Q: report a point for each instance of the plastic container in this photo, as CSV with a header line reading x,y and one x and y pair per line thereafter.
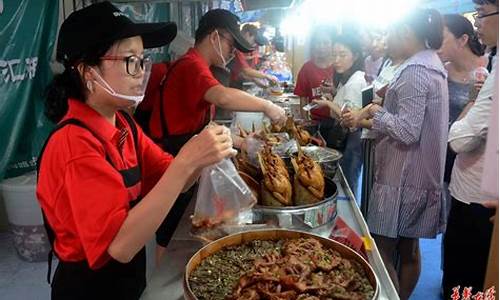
x,y
25,217
248,120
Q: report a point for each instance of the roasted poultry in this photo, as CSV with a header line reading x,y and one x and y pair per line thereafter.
x,y
264,135
301,135
309,182
276,188
243,164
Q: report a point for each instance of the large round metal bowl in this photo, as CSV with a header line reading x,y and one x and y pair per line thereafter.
x,y
327,158
301,217
275,234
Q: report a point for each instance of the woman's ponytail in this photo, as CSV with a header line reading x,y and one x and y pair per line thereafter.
x,y
459,25
434,35
63,86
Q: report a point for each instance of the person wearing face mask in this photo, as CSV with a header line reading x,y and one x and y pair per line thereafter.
x,y
104,187
242,70
190,93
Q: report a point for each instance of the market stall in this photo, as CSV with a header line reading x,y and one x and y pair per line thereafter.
x,y
166,281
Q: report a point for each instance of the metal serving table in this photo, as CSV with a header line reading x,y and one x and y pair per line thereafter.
x,y
166,280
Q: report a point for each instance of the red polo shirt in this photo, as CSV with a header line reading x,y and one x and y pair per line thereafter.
x,y
185,108
240,63
83,196
152,94
309,77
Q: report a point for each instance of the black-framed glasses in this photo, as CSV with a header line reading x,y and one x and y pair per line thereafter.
x,y
133,63
230,41
477,16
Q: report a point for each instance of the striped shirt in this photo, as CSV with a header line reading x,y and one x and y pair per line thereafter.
x,y
406,199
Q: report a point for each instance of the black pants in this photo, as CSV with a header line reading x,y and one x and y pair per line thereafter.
x,y
76,281
466,246
368,173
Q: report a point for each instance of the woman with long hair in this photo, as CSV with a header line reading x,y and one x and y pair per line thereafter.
x,y
349,80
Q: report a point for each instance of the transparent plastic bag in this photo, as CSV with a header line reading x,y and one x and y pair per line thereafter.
x,y
286,149
222,196
253,146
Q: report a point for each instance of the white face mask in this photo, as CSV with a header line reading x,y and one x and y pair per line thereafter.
x,y
219,52
135,99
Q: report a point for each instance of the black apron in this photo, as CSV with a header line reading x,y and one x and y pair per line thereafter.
x,y
172,143
115,280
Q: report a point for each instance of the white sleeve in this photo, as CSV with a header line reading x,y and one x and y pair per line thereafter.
x,y
470,132
353,90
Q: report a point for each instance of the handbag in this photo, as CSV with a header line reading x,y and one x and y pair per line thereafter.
x,y
334,134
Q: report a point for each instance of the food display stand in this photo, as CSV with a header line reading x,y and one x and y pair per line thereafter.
x,y
167,278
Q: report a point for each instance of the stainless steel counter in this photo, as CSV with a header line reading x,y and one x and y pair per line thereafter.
x,y
166,280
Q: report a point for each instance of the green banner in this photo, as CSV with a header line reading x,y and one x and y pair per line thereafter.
x,y
27,36
148,13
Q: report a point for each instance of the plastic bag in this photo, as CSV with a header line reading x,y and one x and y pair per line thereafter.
x,y
286,149
222,196
344,234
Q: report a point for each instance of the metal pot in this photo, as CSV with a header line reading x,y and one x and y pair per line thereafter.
x,y
301,217
327,158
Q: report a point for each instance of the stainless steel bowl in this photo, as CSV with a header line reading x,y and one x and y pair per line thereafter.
x,y
327,158
301,217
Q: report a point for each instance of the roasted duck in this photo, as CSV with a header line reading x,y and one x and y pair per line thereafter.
x,y
266,135
296,131
276,189
243,164
308,182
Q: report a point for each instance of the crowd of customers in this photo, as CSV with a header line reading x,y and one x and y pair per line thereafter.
x,y
420,142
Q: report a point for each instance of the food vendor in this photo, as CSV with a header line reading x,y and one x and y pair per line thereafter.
x,y
103,185
242,69
191,91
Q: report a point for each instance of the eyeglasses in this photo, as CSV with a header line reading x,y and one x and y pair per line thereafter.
x,y
133,62
477,16
230,42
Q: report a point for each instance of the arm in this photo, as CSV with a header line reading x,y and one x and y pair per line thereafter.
x,y
304,101
469,132
249,72
209,147
406,125
334,108
366,123
234,99
144,219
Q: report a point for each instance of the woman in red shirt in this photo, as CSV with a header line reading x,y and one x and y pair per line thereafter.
x,y
103,185
315,71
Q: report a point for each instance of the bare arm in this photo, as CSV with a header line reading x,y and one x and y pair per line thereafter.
x,y
249,72
234,99
366,123
209,147
143,220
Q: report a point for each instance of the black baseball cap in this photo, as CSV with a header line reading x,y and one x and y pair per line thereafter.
x,y
104,23
224,19
260,39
